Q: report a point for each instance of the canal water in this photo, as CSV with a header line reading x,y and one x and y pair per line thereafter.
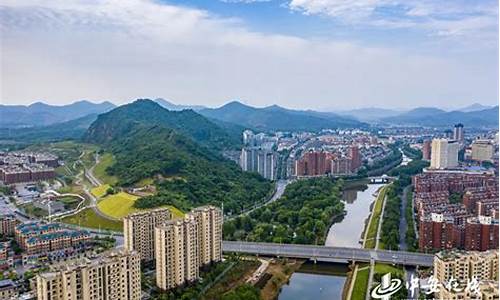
x,y
329,283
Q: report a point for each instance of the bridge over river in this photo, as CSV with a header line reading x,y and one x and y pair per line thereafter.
x,y
324,253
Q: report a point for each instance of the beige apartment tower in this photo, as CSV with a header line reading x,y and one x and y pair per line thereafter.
x,y
465,265
114,275
444,154
209,219
482,150
139,231
176,244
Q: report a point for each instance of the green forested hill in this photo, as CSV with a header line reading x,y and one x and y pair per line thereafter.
x,y
121,120
187,173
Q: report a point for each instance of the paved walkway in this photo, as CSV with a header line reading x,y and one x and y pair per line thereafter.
x,y
403,224
372,262
259,272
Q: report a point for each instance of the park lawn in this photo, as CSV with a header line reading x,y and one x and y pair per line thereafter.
x,y
383,269
361,284
118,205
88,218
121,204
100,191
371,236
105,160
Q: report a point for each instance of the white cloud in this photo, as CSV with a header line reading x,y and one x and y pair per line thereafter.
x,y
450,17
125,49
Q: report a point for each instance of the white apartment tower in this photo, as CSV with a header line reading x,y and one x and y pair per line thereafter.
x,y
444,154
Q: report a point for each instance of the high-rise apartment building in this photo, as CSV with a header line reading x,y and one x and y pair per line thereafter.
x,y
185,245
139,231
355,158
444,154
176,253
482,150
262,161
481,233
426,150
209,219
313,163
266,164
248,138
463,267
113,275
458,132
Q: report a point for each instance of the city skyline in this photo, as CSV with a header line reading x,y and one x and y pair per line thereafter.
x,y
297,54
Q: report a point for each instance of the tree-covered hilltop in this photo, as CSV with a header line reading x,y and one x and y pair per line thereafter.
x,y
186,173
121,120
301,216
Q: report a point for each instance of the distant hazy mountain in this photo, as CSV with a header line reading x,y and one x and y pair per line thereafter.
x,y
171,106
41,114
475,107
277,118
370,114
437,117
73,129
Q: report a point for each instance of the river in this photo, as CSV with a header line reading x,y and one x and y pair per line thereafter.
x,y
305,284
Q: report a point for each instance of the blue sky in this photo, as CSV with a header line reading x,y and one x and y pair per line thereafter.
x,y
320,54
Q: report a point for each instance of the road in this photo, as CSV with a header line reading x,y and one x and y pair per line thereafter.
x,y
280,189
323,253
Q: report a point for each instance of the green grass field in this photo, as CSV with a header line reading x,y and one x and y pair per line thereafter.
x,y
88,218
374,220
383,269
100,191
361,284
122,204
118,205
105,161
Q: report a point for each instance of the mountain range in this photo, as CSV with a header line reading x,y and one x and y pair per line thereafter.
x,y
276,118
41,114
428,116
42,122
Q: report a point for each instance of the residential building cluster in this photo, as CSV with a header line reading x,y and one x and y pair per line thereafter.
x,y
461,268
470,224
8,289
259,154
320,163
8,224
37,238
179,247
482,150
112,275
17,167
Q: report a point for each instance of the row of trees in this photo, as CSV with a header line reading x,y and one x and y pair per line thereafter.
x,y
302,215
392,212
412,152
411,237
382,166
